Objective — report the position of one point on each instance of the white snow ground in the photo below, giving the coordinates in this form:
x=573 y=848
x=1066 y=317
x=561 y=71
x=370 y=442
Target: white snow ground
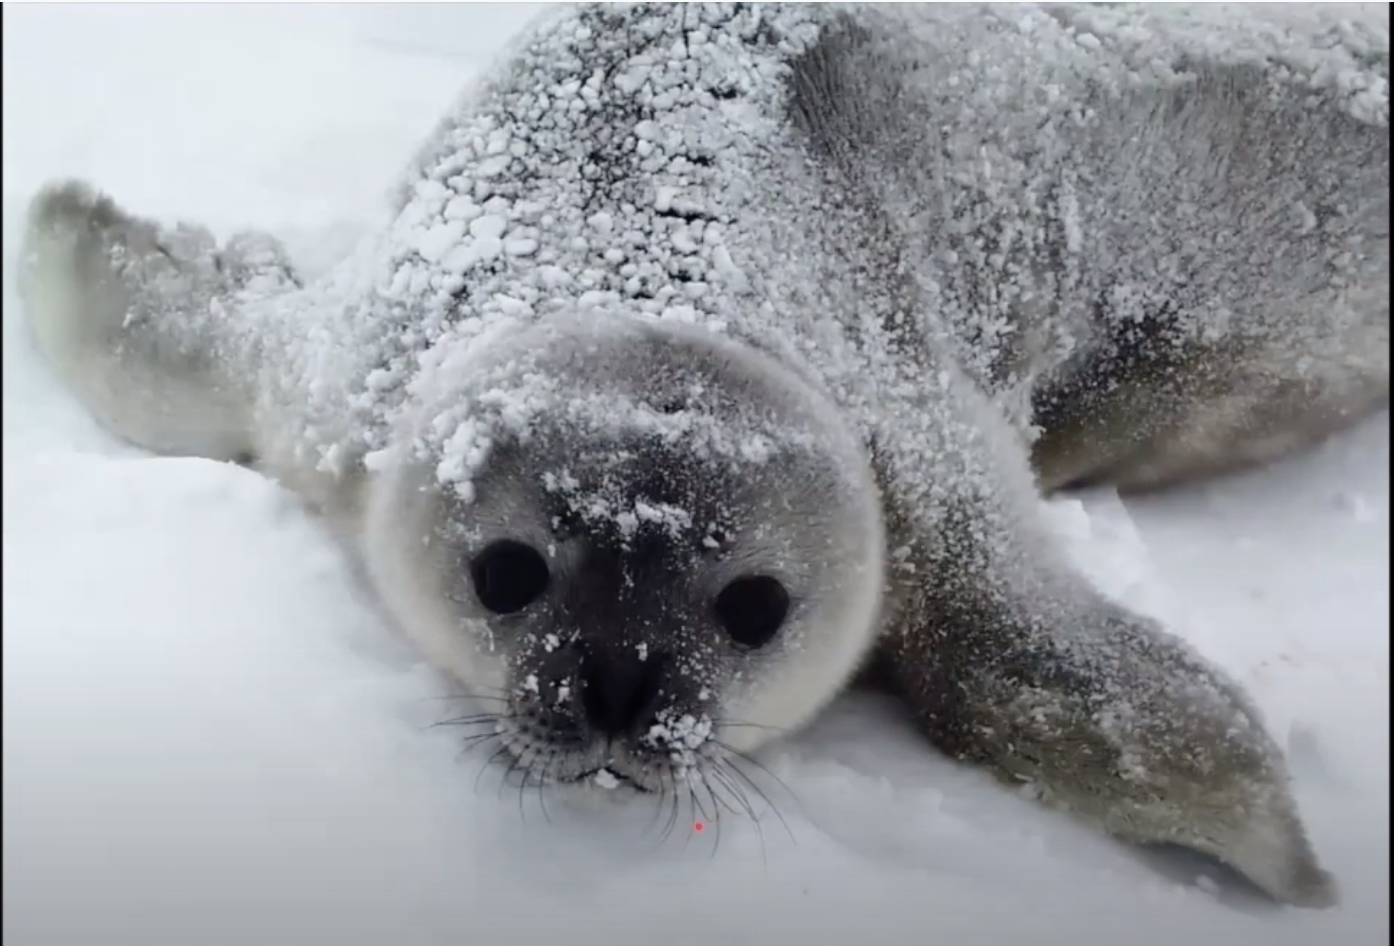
x=210 y=737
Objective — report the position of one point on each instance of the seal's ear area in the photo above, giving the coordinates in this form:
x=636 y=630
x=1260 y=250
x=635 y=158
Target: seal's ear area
x=669 y=364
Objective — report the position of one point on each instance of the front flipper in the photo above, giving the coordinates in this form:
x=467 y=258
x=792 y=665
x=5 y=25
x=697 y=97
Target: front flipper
x=1044 y=681
x=146 y=323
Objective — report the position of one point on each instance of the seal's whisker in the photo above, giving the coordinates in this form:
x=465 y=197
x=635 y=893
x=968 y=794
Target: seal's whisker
x=752 y=761
x=674 y=813
x=527 y=772
x=661 y=796
x=694 y=779
x=737 y=804
x=734 y=762
x=738 y=724
x=723 y=767
x=715 y=821
x=472 y=741
x=544 y=781
x=479 y=720
x=692 y=808
x=464 y=698
x=514 y=763
x=719 y=771
x=502 y=751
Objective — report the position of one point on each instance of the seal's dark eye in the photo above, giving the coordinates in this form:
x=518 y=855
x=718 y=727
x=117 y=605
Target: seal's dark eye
x=752 y=608
x=509 y=575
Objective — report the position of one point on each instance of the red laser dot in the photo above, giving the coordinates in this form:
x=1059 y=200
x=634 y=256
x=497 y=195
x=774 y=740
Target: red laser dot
x=699 y=827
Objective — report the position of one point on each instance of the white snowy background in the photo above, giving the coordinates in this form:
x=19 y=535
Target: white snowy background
x=212 y=737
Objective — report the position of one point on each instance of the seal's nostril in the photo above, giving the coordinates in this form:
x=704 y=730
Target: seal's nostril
x=620 y=694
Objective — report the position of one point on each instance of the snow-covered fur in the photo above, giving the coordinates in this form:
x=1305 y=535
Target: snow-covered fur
x=681 y=296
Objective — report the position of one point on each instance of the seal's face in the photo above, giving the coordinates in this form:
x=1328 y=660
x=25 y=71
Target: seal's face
x=678 y=558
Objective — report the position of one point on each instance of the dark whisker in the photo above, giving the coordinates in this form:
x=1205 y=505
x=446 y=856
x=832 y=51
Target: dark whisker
x=493 y=695
x=717 y=805
x=673 y=813
x=502 y=751
x=691 y=807
x=512 y=767
x=721 y=769
x=718 y=772
x=533 y=756
x=699 y=809
x=661 y=797
x=463 y=696
x=469 y=745
x=733 y=724
x=735 y=757
x=664 y=809
x=470 y=742
x=542 y=782
x=472 y=720
x=751 y=760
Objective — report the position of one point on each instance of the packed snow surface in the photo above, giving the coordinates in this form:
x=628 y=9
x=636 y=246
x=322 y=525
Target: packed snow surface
x=212 y=736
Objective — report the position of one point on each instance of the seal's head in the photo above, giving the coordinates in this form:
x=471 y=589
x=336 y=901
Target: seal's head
x=654 y=544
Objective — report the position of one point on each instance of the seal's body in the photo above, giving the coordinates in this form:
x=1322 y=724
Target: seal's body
x=712 y=350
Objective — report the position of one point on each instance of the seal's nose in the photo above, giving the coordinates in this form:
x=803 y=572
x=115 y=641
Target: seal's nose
x=620 y=694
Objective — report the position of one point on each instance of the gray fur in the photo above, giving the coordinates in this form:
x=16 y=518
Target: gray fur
x=934 y=262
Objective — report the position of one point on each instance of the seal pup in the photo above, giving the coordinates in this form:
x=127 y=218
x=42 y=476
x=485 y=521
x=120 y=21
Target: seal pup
x=712 y=351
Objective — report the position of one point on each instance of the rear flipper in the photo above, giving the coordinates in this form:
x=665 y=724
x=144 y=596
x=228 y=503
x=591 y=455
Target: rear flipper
x=146 y=324
x=1146 y=427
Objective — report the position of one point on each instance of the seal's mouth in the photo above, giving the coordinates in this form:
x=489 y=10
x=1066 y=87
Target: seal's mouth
x=607 y=778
